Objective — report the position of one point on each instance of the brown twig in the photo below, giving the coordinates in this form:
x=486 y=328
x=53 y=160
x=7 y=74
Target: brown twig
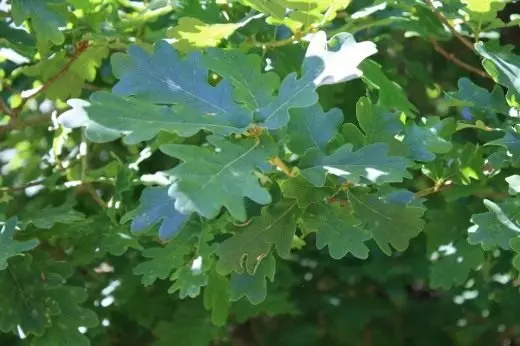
x=276 y=161
x=4 y=108
x=443 y=20
x=79 y=49
x=451 y=57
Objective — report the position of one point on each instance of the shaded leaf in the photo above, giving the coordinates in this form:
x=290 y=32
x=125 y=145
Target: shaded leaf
x=312 y=128
x=254 y=286
x=246 y=249
x=336 y=228
x=391 y=222
x=10 y=247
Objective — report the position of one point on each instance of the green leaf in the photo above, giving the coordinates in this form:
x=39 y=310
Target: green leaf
x=452 y=268
x=163 y=260
x=192 y=327
x=336 y=228
x=117 y=241
x=252 y=88
x=212 y=178
x=427 y=140
x=246 y=249
x=391 y=222
x=188 y=281
x=10 y=247
x=502 y=65
x=156 y=206
x=312 y=128
x=514 y=244
x=48 y=216
x=379 y=125
x=510 y=141
x=163 y=78
x=65 y=329
x=472 y=95
x=191 y=34
x=216 y=297
x=34 y=296
x=46 y=18
x=141 y=121
x=391 y=94
x=72 y=75
x=254 y=286
x=305 y=192
x=370 y=162
x=497 y=226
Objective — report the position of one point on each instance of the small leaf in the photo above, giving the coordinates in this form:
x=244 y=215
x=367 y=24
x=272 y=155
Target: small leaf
x=216 y=297
x=472 y=95
x=246 y=249
x=10 y=247
x=336 y=228
x=312 y=128
x=391 y=94
x=188 y=281
x=157 y=206
x=391 y=222
x=254 y=286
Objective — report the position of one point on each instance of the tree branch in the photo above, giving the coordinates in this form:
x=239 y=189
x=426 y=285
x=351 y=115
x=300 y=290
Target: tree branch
x=443 y=20
x=79 y=49
x=451 y=57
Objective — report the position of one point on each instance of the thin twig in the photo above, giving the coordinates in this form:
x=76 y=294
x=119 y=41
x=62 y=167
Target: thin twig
x=451 y=57
x=4 y=108
x=443 y=19
x=276 y=161
x=79 y=49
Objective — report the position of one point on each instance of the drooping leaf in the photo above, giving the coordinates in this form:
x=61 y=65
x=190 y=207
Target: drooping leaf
x=337 y=228
x=212 y=178
x=10 y=247
x=156 y=206
x=391 y=222
x=254 y=286
x=312 y=128
x=503 y=66
x=246 y=249
x=391 y=94
x=370 y=162
x=216 y=297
